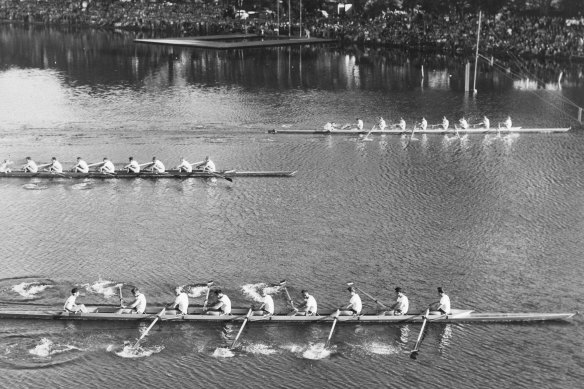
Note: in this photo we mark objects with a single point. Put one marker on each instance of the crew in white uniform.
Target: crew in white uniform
(268, 303)
(222, 306)
(308, 305)
(71, 305)
(424, 124)
(463, 124)
(442, 306)
(402, 124)
(156, 166)
(184, 166)
(139, 304)
(359, 124)
(133, 166)
(401, 305)
(4, 166)
(81, 166)
(30, 166)
(507, 123)
(207, 165)
(107, 166)
(381, 124)
(181, 302)
(445, 123)
(486, 122)
(355, 305)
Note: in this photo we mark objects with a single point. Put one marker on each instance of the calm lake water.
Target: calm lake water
(496, 221)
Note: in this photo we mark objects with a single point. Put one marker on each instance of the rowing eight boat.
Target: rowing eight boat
(107, 313)
(436, 131)
(151, 175)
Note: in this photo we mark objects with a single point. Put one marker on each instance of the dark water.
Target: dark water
(496, 221)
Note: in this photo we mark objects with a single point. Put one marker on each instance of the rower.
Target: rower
(308, 306)
(221, 307)
(4, 166)
(107, 166)
(401, 305)
(31, 166)
(133, 166)
(424, 124)
(81, 166)
(207, 165)
(445, 123)
(181, 302)
(507, 123)
(71, 305)
(184, 166)
(268, 304)
(463, 123)
(156, 166)
(139, 304)
(486, 122)
(441, 307)
(329, 126)
(359, 124)
(381, 124)
(402, 124)
(55, 166)
(355, 305)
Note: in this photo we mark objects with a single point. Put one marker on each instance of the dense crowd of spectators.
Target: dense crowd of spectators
(503, 33)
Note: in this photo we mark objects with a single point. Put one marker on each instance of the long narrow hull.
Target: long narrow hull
(148, 175)
(238, 314)
(436, 131)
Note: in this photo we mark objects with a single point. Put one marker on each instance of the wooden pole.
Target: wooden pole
(300, 11)
(467, 77)
(474, 86)
(289, 19)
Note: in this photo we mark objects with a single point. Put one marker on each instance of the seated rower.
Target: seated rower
(207, 165)
(81, 166)
(402, 124)
(268, 304)
(359, 124)
(184, 166)
(486, 122)
(222, 306)
(441, 307)
(329, 126)
(107, 166)
(156, 166)
(137, 306)
(507, 123)
(181, 302)
(308, 306)
(31, 166)
(4, 166)
(401, 305)
(54, 167)
(381, 124)
(132, 166)
(71, 305)
(445, 123)
(355, 305)
(423, 124)
(463, 123)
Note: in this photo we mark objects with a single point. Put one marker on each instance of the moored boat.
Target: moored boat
(150, 175)
(108, 313)
(435, 131)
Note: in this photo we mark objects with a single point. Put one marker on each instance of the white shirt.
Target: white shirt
(158, 166)
(424, 124)
(507, 123)
(226, 307)
(133, 166)
(56, 167)
(445, 123)
(70, 304)
(360, 124)
(463, 123)
(403, 304)
(402, 124)
(486, 122)
(108, 167)
(445, 303)
(209, 166)
(182, 302)
(328, 126)
(31, 166)
(139, 303)
(185, 166)
(82, 165)
(269, 304)
(310, 304)
(382, 124)
(356, 303)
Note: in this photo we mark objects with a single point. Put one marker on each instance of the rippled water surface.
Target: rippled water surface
(496, 221)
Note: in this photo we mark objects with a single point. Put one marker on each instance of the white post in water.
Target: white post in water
(474, 85)
(278, 14)
(289, 19)
(580, 115)
(467, 77)
(300, 11)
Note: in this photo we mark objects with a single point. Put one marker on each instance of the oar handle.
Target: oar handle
(289, 298)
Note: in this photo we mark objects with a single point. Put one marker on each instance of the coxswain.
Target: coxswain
(463, 123)
(181, 302)
(207, 165)
(486, 122)
(441, 307)
(81, 166)
(71, 305)
(184, 166)
(156, 166)
(222, 306)
(4, 166)
(31, 166)
(424, 124)
(107, 166)
(268, 303)
(381, 124)
(132, 166)
(401, 305)
(507, 123)
(308, 306)
(355, 305)
(445, 123)
(139, 304)
(402, 124)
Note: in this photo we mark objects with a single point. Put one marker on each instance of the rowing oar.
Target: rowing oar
(220, 176)
(336, 316)
(411, 137)
(121, 298)
(149, 327)
(414, 352)
(241, 329)
(367, 294)
(370, 131)
(207, 296)
(283, 284)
